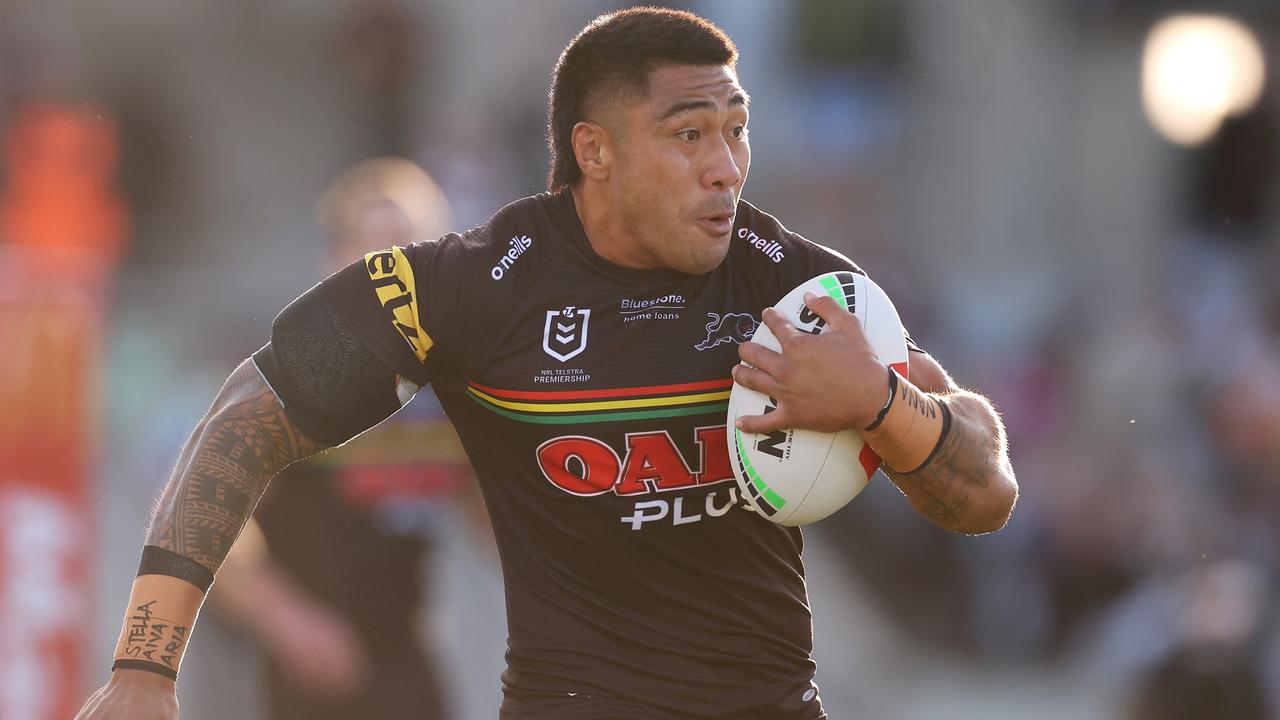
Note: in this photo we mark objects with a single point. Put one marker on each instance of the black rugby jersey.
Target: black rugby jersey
(591, 400)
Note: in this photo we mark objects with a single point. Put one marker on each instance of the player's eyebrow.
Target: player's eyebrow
(739, 97)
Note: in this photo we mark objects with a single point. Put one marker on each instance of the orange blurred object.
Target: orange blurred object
(60, 163)
(62, 231)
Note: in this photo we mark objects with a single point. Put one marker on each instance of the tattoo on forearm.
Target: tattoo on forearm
(963, 463)
(224, 469)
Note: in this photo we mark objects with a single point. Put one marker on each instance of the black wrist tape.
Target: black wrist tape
(884, 411)
(942, 436)
(158, 561)
(150, 667)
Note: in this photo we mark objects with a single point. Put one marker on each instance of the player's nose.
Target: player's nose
(721, 171)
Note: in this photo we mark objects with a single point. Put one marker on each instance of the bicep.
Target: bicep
(928, 375)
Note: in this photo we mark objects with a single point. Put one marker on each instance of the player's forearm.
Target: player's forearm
(965, 483)
(243, 441)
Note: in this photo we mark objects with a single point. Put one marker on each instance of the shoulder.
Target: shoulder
(497, 249)
(468, 280)
(762, 243)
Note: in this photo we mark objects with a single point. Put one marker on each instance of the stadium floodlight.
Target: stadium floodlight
(1196, 71)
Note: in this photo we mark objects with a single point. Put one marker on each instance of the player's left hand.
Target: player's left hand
(826, 382)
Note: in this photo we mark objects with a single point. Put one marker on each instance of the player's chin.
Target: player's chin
(704, 254)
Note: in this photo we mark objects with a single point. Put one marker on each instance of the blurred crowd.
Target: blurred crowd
(987, 161)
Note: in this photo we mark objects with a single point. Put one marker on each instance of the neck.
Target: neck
(605, 229)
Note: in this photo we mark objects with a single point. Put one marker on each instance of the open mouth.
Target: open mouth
(717, 224)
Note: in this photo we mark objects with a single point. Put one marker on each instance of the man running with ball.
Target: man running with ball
(567, 341)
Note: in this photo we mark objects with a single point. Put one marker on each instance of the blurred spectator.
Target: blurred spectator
(327, 578)
(1212, 668)
(1196, 683)
(375, 48)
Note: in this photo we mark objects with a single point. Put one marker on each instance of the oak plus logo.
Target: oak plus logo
(565, 334)
(515, 249)
(650, 465)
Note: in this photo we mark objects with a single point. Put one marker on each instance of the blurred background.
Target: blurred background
(1071, 201)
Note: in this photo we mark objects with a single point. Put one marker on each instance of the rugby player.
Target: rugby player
(567, 339)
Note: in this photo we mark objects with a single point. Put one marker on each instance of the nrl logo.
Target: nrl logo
(565, 334)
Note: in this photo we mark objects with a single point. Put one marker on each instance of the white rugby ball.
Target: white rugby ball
(796, 477)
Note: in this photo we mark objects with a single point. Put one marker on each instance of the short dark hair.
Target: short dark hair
(616, 52)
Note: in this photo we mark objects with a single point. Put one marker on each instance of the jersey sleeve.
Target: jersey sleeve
(419, 308)
(381, 299)
(350, 351)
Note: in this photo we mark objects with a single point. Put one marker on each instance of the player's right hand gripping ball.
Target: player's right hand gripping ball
(796, 477)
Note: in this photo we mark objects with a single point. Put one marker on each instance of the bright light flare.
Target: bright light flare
(1196, 71)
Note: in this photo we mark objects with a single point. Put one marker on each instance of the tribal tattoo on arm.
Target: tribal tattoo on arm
(967, 484)
(224, 468)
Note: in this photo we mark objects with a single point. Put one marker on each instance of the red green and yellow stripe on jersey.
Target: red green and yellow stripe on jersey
(563, 407)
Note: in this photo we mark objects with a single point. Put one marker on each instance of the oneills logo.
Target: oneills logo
(392, 278)
(515, 249)
(771, 248)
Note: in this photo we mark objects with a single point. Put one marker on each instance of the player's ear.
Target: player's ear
(592, 150)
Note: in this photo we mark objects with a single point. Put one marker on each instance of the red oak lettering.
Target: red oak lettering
(713, 442)
(586, 466)
(579, 465)
(652, 457)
